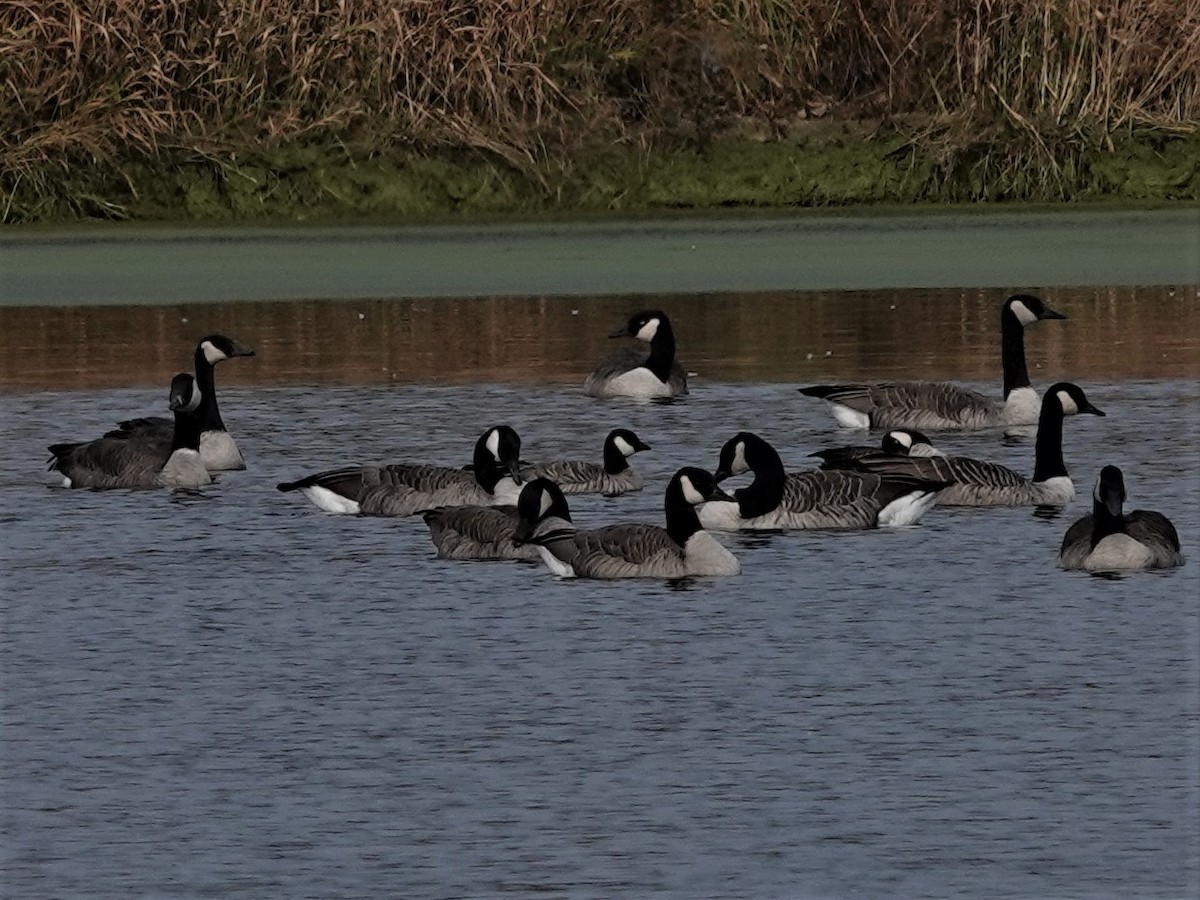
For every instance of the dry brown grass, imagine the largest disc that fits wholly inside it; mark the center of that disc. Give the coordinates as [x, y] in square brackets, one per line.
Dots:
[982, 82]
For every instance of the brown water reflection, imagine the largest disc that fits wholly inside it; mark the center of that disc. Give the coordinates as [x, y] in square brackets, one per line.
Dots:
[1112, 333]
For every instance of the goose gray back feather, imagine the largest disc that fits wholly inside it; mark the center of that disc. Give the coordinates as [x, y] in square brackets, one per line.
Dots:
[124, 462]
[634, 550]
[477, 532]
[1108, 539]
[218, 450]
[980, 483]
[632, 373]
[940, 405]
[402, 490]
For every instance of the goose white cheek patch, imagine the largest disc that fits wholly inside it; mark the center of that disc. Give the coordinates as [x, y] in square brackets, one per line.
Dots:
[211, 353]
[1068, 404]
[493, 444]
[1021, 311]
[547, 502]
[690, 494]
[739, 459]
[624, 446]
[648, 331]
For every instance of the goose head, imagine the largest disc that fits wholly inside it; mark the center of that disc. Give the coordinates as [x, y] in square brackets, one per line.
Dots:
[217, 347]
[1110, 490]
[1027, 309]
[645, 326]
[1070, 399]
[498, 453]
[540, 499]
[185, 394]
[746, 452]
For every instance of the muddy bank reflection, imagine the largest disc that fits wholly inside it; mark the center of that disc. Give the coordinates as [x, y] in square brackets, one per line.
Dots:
[1112, 333]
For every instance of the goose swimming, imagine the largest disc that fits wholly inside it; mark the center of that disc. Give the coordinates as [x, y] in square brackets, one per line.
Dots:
[217, 447]
[978, 483]
[897, 442]
[811, 500]
[629, 373]
[681, 549]
[401, 490]
[941, 405]
[1111, 540]
[612, 477]
[119, 462]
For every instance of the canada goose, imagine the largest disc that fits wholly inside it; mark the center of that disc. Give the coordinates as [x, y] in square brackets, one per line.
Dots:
[897, 442]
[611, 478]
[810, 500]
[978, 483]
[628, 373]
[626, 551]
[939, 404]
[401, 490]
[217, 448]
[477, 532]
[118, 462]
[1110, 540]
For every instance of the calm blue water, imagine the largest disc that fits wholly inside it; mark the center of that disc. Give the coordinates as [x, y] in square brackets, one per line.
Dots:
[234, 695]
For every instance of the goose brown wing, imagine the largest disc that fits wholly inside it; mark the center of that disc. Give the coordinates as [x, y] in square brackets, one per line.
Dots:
[1076, 543]
[572, 476]
[109, 462]
[152, 429]
[619, 361]
[898, 404]
[1152, 529]
[477, 532]
[625, 551]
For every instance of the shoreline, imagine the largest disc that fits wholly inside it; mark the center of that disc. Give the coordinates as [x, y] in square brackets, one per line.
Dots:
[135, 265]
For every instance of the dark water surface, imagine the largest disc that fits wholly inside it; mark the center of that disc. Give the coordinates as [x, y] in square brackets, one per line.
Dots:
[231, 694]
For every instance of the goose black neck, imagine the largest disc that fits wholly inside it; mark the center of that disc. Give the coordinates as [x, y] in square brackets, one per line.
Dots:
[682, 520]
[488, 473]
[208, 413]
[1012, 352]
[765, 492]
[188, 426]
[1104, 523]
[615, 461]
[662, 352]
[1048, 448]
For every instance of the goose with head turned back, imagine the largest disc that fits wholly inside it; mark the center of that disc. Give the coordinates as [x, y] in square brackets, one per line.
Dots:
[1111, 540]
[477, 532]
[119, 462]
[401, 490]
[613, 476]
[941, 405]
[838, 500]
[897, 442]
[628, 373]
[680, 550]
[978, 483]
[217, 447]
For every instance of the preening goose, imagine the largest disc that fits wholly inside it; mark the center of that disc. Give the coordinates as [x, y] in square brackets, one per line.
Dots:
[217, 448]
[629, 373]
[1110, 540]
[811, 500]
[978, 483]
[681, 549]
[477, 532]
[941, 405]
[613, 476]
[121, 462]
[401, 490]
[897, 442]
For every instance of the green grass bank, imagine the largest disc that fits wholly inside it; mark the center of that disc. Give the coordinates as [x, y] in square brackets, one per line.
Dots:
[234, 110]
